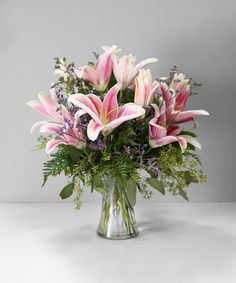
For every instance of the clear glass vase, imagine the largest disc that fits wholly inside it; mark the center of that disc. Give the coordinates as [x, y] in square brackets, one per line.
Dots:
[117, 217]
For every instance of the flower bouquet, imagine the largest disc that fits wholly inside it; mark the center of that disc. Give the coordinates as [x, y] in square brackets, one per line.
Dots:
[110, 127]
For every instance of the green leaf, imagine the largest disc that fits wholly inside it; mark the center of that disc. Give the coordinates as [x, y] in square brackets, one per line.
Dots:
[194, 180]
[187, 177]
[131, 192]
[156, 184]
[188, 133]
[97, 183]
[191, 147]
[152, 174]
[74, 154]
[183, 194]
[39, 146]
[67, 191]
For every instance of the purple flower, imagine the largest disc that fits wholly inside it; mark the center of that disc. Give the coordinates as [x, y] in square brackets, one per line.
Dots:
[97, 145]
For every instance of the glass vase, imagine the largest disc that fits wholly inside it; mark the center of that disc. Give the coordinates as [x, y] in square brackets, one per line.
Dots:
[117, 217]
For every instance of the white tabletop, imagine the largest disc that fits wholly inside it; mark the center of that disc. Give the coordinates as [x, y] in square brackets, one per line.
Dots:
[178, 243]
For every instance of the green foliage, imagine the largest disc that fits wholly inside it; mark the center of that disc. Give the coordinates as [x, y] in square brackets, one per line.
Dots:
[42, 141]
[60, 162]
[67, 191]
[97, 183]
[156, 184]
[183, 194]
[78, 190]
[177, 170]
[144, 191]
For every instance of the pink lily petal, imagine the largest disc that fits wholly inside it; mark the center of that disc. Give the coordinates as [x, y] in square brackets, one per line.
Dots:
[79, 113]
[162, 141]
[109, 109]
[139, 96]
[119, 68]
[187, 116]
[179, 81]
[150, 96]
[144, 63]
[90, 74]
[192, 141]
[96, 101]
[167, 140]
[82, 101]
[104, 64]
[39, 107]
[50, 106]
[174, 130]
[79, 72]
[160, 114]
[169, 97]
[156, 131]
[70, 139]
[53, 95]
[144, 88]
[182, 142]
[157, 110]
[52, 144]
[37, 125]
[127, 112]
[182, 99]
[62, 114]
[51, 128]
[93, 130]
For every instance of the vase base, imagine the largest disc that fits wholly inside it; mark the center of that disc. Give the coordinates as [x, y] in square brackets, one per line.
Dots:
[118, 237]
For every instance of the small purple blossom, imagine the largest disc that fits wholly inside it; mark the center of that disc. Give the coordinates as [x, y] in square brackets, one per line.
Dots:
[153, 166]
[68, 123]
[97, 145]
[82, 125]
[72, 109]
[62, 131]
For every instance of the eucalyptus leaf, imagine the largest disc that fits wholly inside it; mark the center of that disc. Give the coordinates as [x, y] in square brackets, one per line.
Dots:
[156, 184]
[152, 174]
[74, 154]
[183, 194]
[188, 177]
[97, 183]
[67, 191]
[194, 180]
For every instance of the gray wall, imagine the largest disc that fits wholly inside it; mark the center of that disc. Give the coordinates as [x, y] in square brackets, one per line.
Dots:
[198, 36]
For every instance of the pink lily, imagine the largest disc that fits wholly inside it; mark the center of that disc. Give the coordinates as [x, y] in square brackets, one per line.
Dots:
[162, 133]
[181, 87]
[144, 88]
[49, 107]
[100, 74]
[60, 122]
[125, 71]
[175, 100]
[68, 134]
[179, 81]
[106, 115]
